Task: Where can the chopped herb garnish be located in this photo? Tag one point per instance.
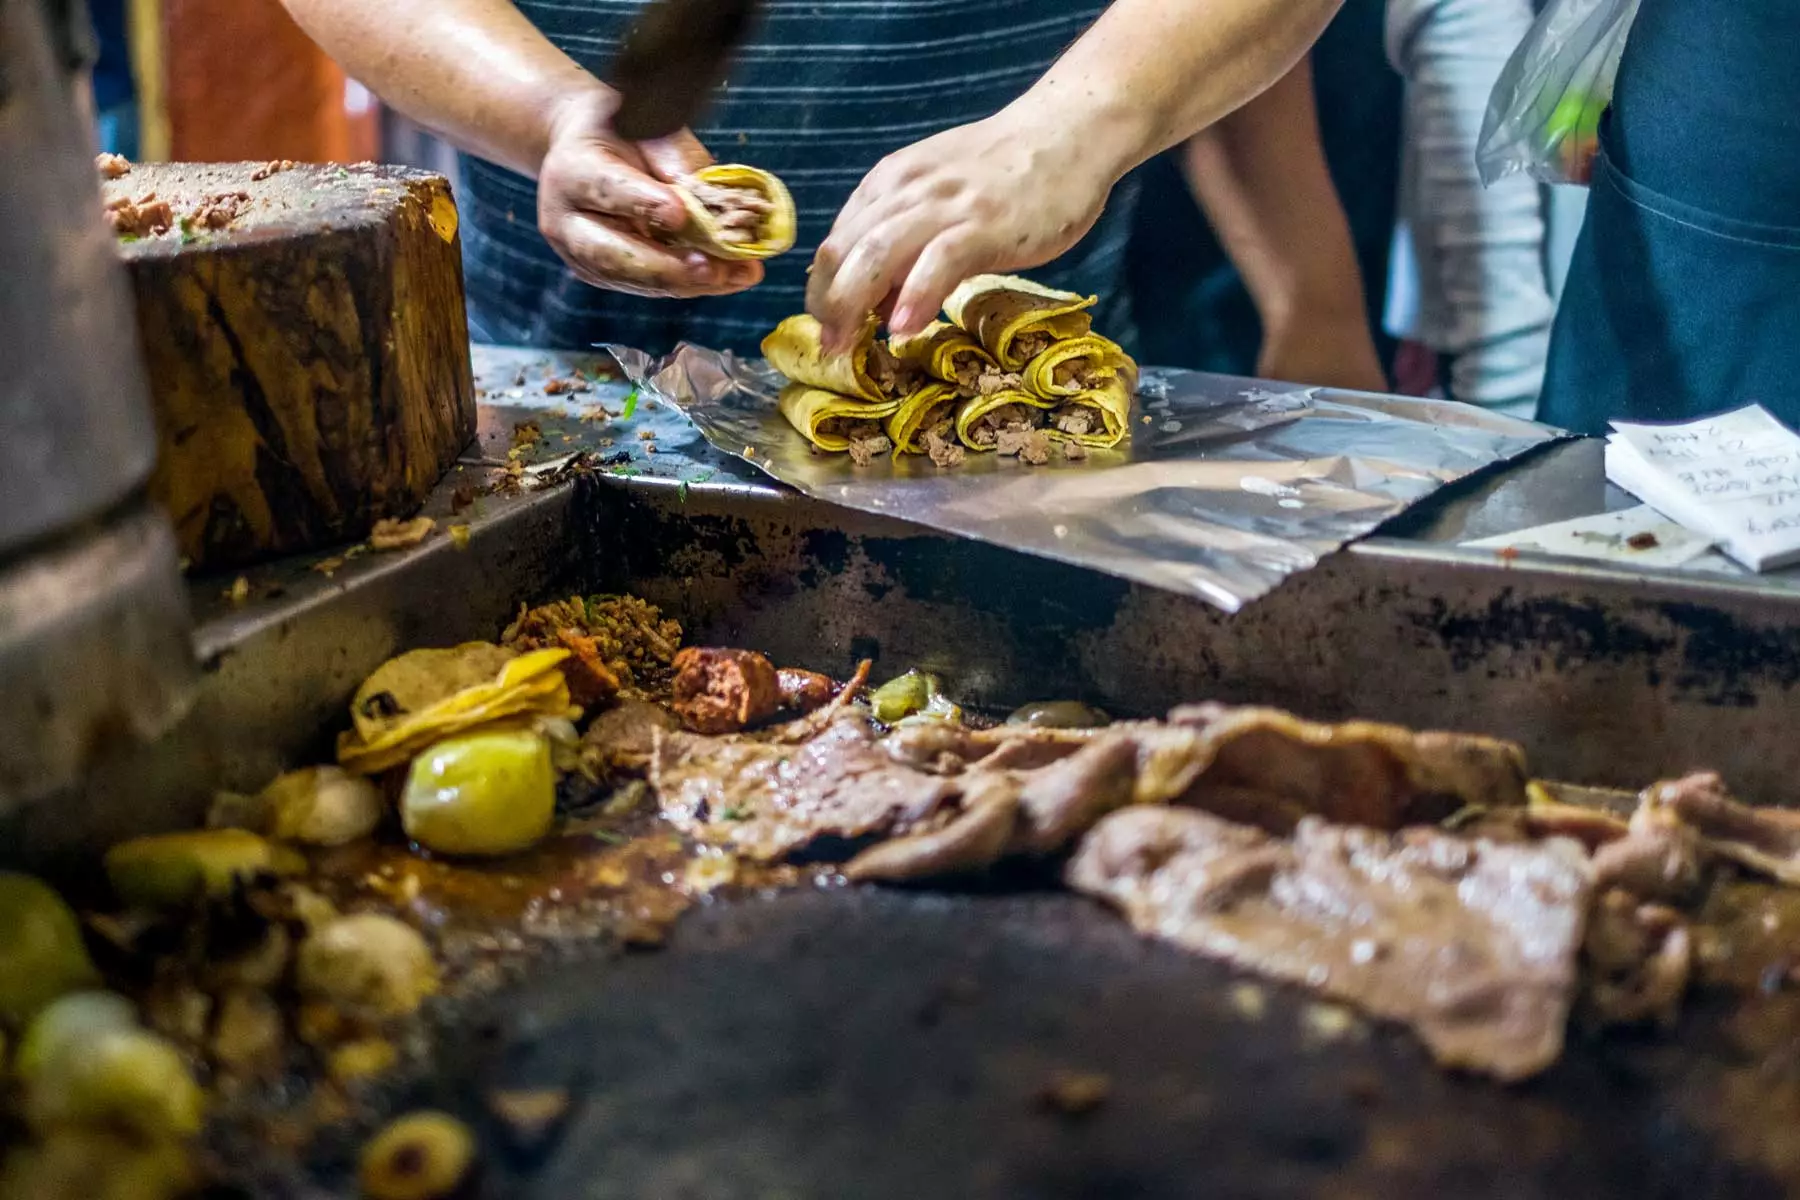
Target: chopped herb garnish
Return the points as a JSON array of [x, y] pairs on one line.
[[610, 838], [734, 814], [704, 476], [630, 404], [682, 491]]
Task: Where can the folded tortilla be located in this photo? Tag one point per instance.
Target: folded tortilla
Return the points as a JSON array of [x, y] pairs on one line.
[[1103, 354], [976, 407], [775, 232], [796, 348], [919, 412], [808, 408], [999, 309], [1112, 401], [940, 349]]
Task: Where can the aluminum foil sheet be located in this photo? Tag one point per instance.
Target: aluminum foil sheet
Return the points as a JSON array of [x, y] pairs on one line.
[[1224, 488]]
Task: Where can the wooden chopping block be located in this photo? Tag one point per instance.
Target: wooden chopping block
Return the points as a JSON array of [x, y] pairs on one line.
[[307, 347]]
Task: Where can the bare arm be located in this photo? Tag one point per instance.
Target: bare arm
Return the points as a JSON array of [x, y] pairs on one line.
[[479, 74], [1147, 76], [1261, 177]]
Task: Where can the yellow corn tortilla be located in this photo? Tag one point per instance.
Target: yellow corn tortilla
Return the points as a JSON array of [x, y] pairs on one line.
[[997, 309], [409, 685], [976, 407], [702, 231], [917, 413], [1104, 353], [808, 408], [1112, 400], [796, 349], [938, 348]]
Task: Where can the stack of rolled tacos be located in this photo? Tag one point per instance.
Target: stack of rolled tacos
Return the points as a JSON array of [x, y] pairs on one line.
[[1016, 369]]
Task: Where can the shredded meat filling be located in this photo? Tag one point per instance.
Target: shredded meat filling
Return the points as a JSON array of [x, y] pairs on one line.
[[112, 166], [220, 209], [1031, 344], [866, 438], [738, 212], [941, 446], [1082, 372], [1076, 420], [1006, 419], [722, 691]]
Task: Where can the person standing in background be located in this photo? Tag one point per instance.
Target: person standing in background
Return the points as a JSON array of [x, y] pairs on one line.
[[1218, 287], [1483, 301]]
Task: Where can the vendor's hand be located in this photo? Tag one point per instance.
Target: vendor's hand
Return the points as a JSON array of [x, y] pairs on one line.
[[1322, 350], [1013, 191], [603, 201]]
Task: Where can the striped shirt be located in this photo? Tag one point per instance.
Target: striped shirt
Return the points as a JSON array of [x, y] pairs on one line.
[[824, 90]]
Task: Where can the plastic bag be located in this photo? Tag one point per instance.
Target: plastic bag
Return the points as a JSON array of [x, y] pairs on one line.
[[1543, 118]]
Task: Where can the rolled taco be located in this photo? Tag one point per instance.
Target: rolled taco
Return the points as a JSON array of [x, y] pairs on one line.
[[1097, 417], [868, 370], [932, 403], [945, 352], [981, 419], [831, 421], [737, 212], [1016, 319], [1077, 365]]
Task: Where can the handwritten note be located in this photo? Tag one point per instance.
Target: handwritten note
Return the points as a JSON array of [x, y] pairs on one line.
[[1734, 478]]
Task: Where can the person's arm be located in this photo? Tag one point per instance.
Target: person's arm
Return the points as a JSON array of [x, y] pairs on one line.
[[1260, 176], [1021, 187], [481, 75]]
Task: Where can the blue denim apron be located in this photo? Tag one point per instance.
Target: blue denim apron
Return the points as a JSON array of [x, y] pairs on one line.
[[1683, 296], [823, 90]]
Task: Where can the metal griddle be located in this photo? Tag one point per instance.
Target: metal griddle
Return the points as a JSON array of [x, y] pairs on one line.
[[891, 1045], [847, 1043]]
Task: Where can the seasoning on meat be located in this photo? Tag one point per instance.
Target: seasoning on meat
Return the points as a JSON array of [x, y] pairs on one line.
[[739, 211], [1472, 944], [771, 799], [112, 166], [723, 691], [145, 216]]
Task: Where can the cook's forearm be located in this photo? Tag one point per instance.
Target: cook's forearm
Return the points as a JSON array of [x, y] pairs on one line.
[[474, 71], [1260, 174], [1151, 73]]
